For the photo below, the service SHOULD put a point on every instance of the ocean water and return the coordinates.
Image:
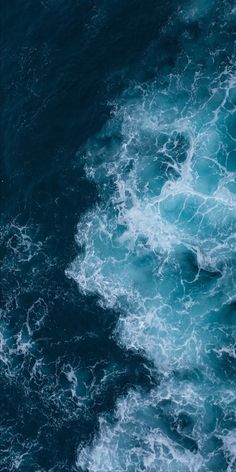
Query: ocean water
(118, 233)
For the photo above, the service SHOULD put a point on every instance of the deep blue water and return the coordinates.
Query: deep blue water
(118, 233)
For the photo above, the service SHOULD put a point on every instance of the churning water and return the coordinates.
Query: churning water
(118, 352)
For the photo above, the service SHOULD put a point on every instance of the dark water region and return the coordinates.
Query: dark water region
(55, 60)
(65, 366)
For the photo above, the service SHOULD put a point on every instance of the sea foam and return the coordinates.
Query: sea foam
(160, 249)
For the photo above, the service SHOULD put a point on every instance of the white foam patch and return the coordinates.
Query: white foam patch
(229, 441)
(162, 431)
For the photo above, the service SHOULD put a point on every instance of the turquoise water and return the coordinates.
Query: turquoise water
(159, 248)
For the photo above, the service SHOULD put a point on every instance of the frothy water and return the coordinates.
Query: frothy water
(160, 249)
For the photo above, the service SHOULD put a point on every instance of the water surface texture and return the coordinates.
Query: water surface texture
(118, 333)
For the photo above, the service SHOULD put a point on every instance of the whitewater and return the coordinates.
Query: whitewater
(159, 249)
